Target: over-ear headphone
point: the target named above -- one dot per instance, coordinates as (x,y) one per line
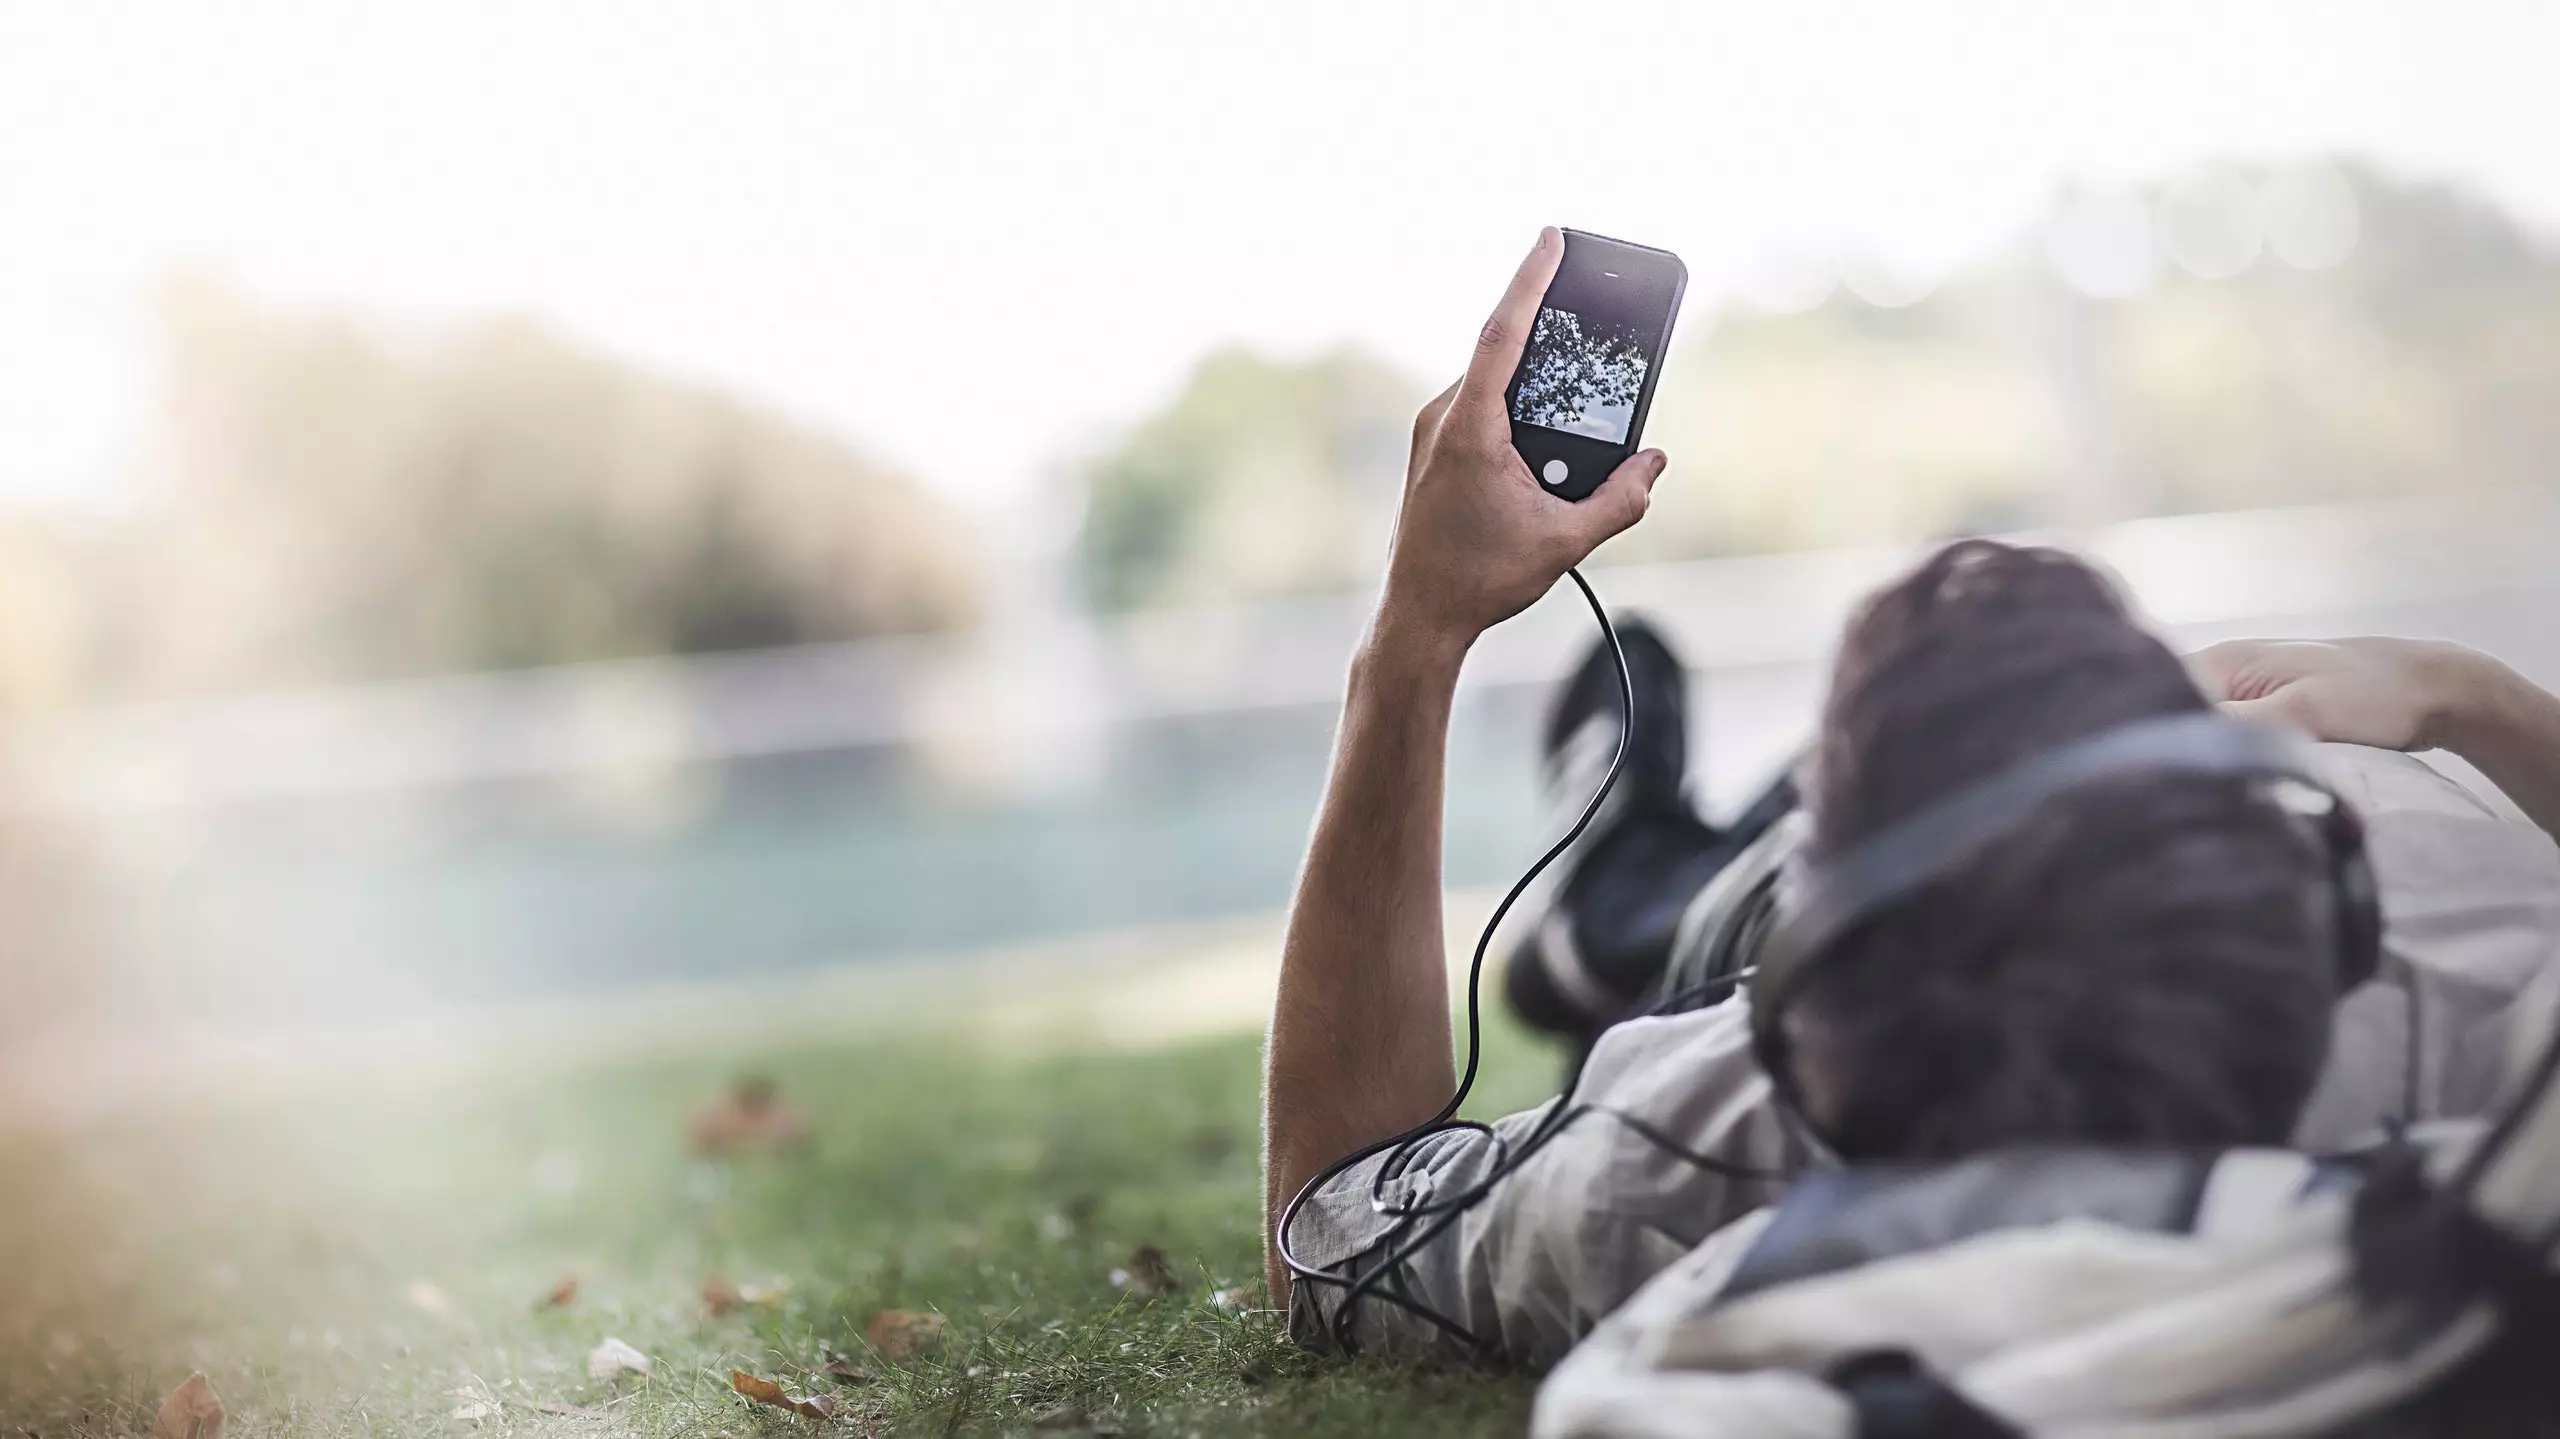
(1828,899)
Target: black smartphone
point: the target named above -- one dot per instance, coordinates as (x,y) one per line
(1585,381)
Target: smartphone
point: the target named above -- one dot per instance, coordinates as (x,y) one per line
(1585,381)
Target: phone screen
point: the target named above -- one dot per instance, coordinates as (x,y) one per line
(1581,375)
(1586,375)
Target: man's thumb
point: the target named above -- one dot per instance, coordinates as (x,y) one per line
(1621,499)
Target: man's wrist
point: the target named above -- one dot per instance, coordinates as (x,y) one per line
(2470,694)
(1408,646)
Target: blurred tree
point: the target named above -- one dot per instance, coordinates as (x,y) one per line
(329,503)
(2421,360)
(2418,354)
(1262,477)
(1845,424)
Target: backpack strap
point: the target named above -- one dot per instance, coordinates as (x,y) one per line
(1837,1219)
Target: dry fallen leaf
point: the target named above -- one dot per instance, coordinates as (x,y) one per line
(902,1333)
(613,1358)
(843,1370)
(750,1116)
(474,1409)
(190,1412)
(765,1391)
(561,1293)
(1147,1274)
(720,1296)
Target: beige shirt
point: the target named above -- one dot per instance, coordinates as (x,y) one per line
(2471,909)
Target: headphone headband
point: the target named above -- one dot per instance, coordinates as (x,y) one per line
(1838,894)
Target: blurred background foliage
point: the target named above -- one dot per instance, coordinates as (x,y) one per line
(2418,363)
(331,501)
(1262,477)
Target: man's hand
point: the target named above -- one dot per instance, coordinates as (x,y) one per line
(1477,539)
(2387,693)
(2399,694)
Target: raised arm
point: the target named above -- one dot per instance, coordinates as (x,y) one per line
(2401,694)
(1359,1046)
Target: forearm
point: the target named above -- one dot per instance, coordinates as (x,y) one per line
(1359,1045)
(2507,727)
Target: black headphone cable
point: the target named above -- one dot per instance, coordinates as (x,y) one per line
(1436,1215)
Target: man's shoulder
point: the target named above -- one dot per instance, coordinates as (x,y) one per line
(1701,1041)
(1650,1031)
(2444,843)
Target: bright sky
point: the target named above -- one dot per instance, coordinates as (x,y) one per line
(836,208)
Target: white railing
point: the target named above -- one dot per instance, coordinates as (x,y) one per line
(1036,687)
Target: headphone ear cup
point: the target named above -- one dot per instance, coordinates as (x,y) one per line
(2359,898)
(1766,993)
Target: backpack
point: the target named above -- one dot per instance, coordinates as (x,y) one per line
(2091,1293)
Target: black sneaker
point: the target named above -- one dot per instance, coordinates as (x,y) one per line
(1594,935)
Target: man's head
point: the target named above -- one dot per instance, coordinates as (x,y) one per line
(2142,960)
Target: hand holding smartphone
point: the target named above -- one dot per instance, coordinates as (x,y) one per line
(1479,535)
(1585,381)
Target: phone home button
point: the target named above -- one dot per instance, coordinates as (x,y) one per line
(1557,472)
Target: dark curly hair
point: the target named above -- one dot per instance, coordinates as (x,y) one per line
(2143,960)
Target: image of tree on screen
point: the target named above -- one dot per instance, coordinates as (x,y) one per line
(1579,377)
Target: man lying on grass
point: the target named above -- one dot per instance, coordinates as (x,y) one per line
(2146,961)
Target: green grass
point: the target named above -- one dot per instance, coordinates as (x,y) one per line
(276,1245)
(280,1244)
